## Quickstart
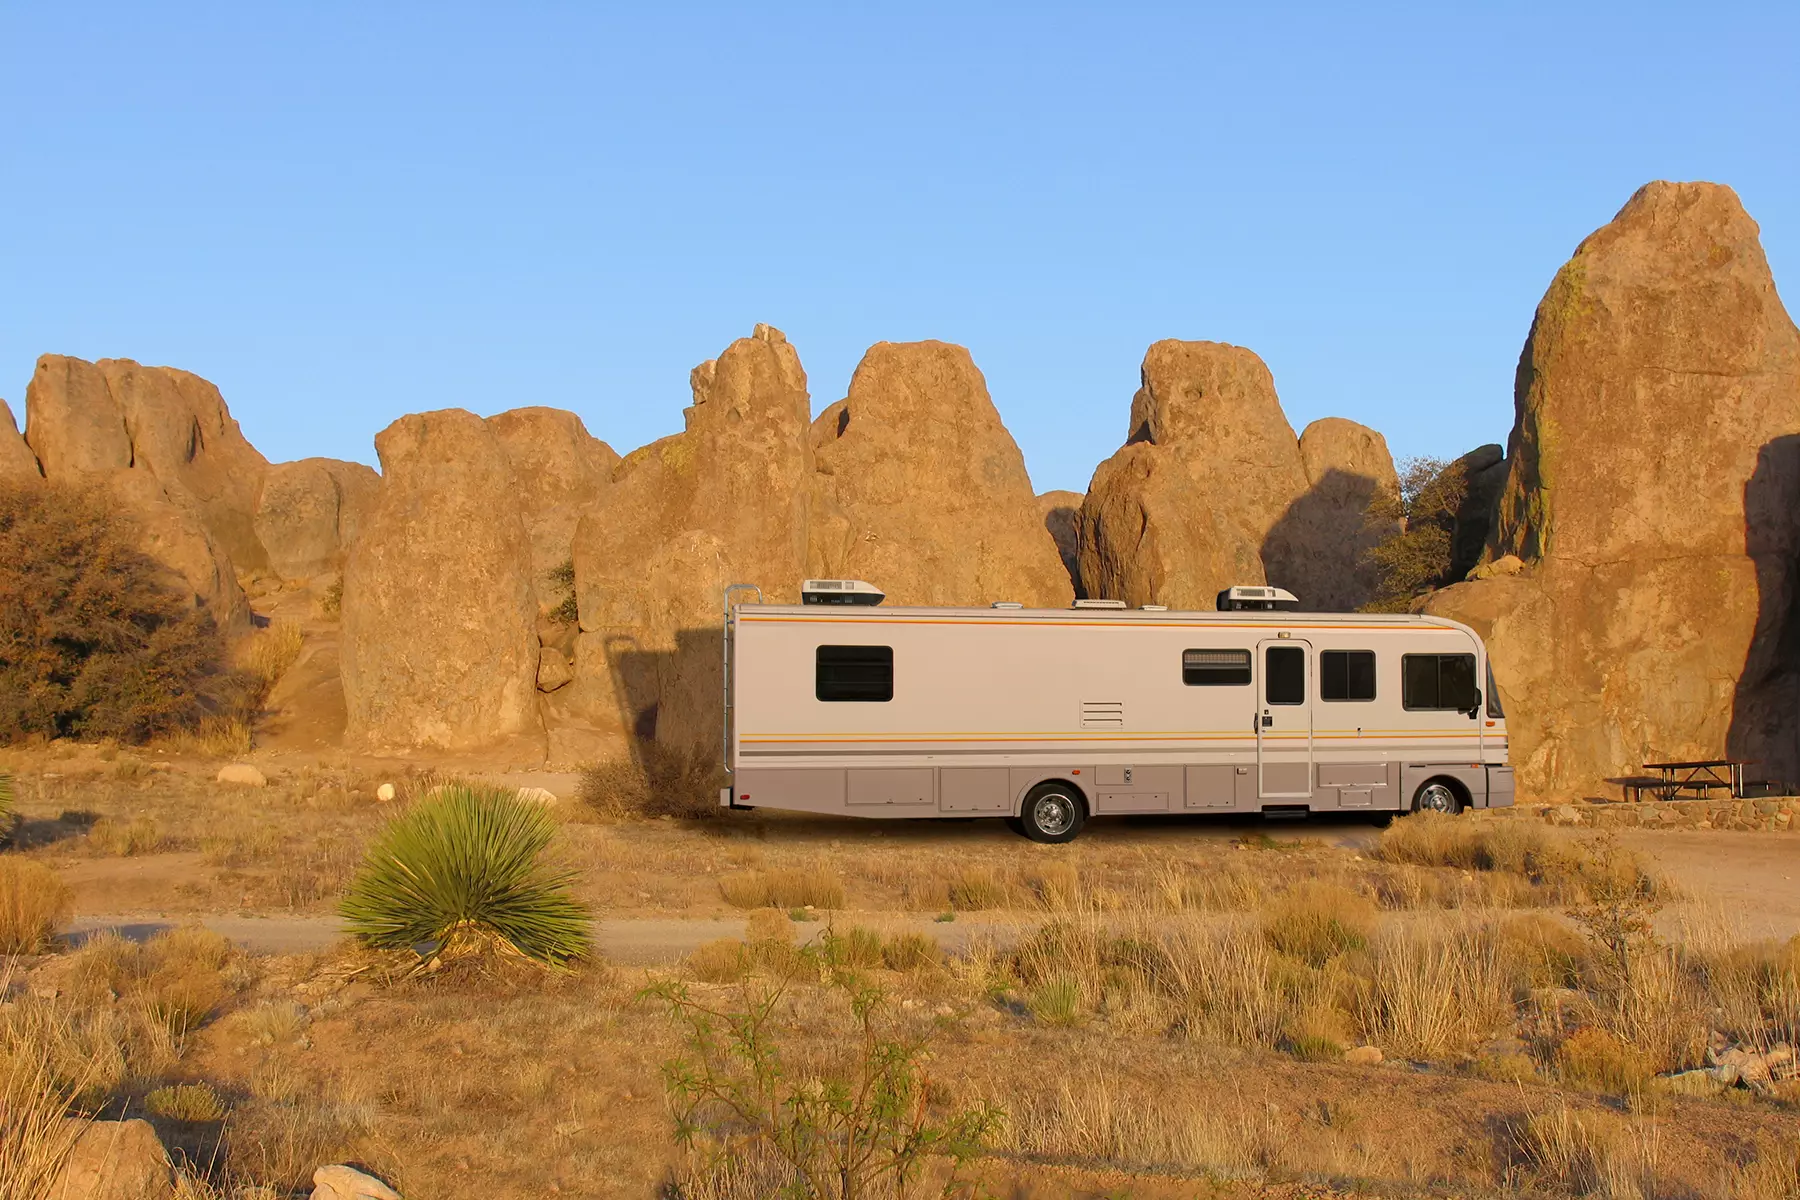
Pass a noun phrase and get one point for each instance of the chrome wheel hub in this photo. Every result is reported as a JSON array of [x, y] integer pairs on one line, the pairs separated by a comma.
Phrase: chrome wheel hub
[[1053, 814], [1437, 798]]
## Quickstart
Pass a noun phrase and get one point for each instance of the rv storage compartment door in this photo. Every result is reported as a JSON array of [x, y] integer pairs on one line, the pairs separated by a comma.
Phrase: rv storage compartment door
[[1135, 789], [910, 787], [1212, 786], [975, 790]]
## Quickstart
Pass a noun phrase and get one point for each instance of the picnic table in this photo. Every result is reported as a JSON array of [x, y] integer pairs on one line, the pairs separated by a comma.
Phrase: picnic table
[[1700, 777]]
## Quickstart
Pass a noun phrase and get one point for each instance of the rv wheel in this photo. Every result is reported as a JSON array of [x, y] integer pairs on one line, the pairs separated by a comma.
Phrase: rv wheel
[[1053, 812], [1436, 795]]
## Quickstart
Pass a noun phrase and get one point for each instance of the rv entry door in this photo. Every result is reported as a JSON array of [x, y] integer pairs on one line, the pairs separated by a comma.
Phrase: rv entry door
[[1284, 721]]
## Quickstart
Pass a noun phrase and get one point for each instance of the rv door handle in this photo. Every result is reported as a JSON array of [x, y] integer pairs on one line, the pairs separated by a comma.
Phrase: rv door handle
[[1268, 722]]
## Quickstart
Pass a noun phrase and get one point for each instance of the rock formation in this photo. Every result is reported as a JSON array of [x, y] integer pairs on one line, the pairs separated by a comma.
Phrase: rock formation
[[1062, 518], [310, 512], [560, 468], [16, 459], [1652, 504], [164, 444], [725, 501], [1325, 532], [1484, 471], [1210, 467], [923, 491], [439, 641]]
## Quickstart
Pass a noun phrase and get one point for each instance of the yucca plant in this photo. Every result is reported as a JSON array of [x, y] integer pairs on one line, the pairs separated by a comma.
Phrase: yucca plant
[[461, 872]]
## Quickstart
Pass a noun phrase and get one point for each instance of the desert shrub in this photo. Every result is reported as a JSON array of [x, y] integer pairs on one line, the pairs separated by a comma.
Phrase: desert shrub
[[1593, 1058], [185, 1102], [175, 978], [911, 952], [95, 642], [848, 1119], [125, 839], [1588, 1154], [268, 653], [1056, 1001], [1417, 556], [1542, 952], [1316, 922], [33, 902], [461, 871], [655, 781], [815, 887], [1434, 991]]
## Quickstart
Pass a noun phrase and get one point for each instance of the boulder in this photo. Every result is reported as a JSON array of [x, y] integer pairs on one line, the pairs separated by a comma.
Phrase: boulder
[[439, 638], [923, 492], [1062, 517], [339, 1182], [1484, 471], [560, 468], [725, 501], [242, 775], [554, 669], [111, 415], [1364, 1056], [16, 459], [1325, 532], [164, 444], [1209, 468], [309, 513], [114, 1160], [1654, 468]]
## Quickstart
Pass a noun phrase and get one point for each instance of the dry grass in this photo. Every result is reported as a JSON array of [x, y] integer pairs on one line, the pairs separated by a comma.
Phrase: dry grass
[[816, 887], [1316, 922], [1773, 1173], [1436, 990], [192, 1102], [655, 781], [268, 653], [1593, 1154], [212, 737], [121, 837], [176, 977], [34, 1136], [34, 901]]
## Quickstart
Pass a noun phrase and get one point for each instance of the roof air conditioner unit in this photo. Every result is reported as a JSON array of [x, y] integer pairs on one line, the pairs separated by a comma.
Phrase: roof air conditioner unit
[[840, 591], [1099, 604], [1257, 599]]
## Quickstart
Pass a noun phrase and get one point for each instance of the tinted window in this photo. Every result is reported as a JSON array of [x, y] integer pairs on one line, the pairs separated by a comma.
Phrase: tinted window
[[1284, 675], [1438, 681], [1346, 675], [854, 673], [1215, 668]]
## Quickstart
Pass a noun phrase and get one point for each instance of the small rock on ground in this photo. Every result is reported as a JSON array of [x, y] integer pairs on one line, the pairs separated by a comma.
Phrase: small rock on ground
[[338, 1182], [242, 774]]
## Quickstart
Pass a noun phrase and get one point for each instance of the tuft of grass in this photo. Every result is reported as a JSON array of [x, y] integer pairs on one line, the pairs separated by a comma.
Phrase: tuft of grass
[[1593, 1154], [33, 902], [126, 839], [194, 1102], [817, 887], [330, 605], [1594, 1058], [1434, 993], [7, 814], [269, 652], [655, 781], [911, 952], [175, 979], [462, 870], [1317, 921], [212, 737], [1057, 1001], [1772, 1174]]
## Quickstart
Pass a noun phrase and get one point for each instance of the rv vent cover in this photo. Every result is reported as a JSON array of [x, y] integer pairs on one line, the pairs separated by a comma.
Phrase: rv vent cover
[[1103, 714], [1099, 604], [1257, 599], [840, 591]]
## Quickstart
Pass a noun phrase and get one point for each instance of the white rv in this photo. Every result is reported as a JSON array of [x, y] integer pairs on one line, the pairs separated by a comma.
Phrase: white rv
[[1049, 716]]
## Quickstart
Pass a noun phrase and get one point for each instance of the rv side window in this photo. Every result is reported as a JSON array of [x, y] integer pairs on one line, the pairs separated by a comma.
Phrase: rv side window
[[1284, 675], [1346, 674], [854, 673], [1438, 681], [1215, 668], [1493, 696]]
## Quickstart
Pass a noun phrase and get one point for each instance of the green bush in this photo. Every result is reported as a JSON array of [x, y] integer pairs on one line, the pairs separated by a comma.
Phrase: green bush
[[95, 642], [462, 871]]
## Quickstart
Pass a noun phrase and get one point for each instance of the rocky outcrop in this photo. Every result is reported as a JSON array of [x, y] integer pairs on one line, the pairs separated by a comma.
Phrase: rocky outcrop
[[1484, 471], [1653, 502], [164, 444], [16, 459], [725, 501], [923, 492], [439, 641], [560, 468], [310, 512], [1211, 466], [1327, 530], [1062, 519], [113, 415]]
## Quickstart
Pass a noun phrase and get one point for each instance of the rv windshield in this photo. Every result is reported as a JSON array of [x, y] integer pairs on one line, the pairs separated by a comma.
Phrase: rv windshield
[[1493, 696]]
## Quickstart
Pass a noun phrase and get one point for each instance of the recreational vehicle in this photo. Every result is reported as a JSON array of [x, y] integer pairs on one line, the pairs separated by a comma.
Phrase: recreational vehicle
[[1047, 717]]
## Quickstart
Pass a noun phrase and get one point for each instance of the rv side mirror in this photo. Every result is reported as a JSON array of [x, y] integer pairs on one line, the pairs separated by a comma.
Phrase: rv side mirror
[[1474, 710]]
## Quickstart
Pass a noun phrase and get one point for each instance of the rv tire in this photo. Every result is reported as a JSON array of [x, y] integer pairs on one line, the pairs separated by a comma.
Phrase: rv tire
[[1053, 813], [1438, 795]]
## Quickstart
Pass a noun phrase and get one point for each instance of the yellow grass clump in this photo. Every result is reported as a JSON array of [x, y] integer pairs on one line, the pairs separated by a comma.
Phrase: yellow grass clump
[[792, 887], [34, 901]]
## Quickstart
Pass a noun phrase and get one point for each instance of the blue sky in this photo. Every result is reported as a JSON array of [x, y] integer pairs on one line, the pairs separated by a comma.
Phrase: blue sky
[[340, 214]]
